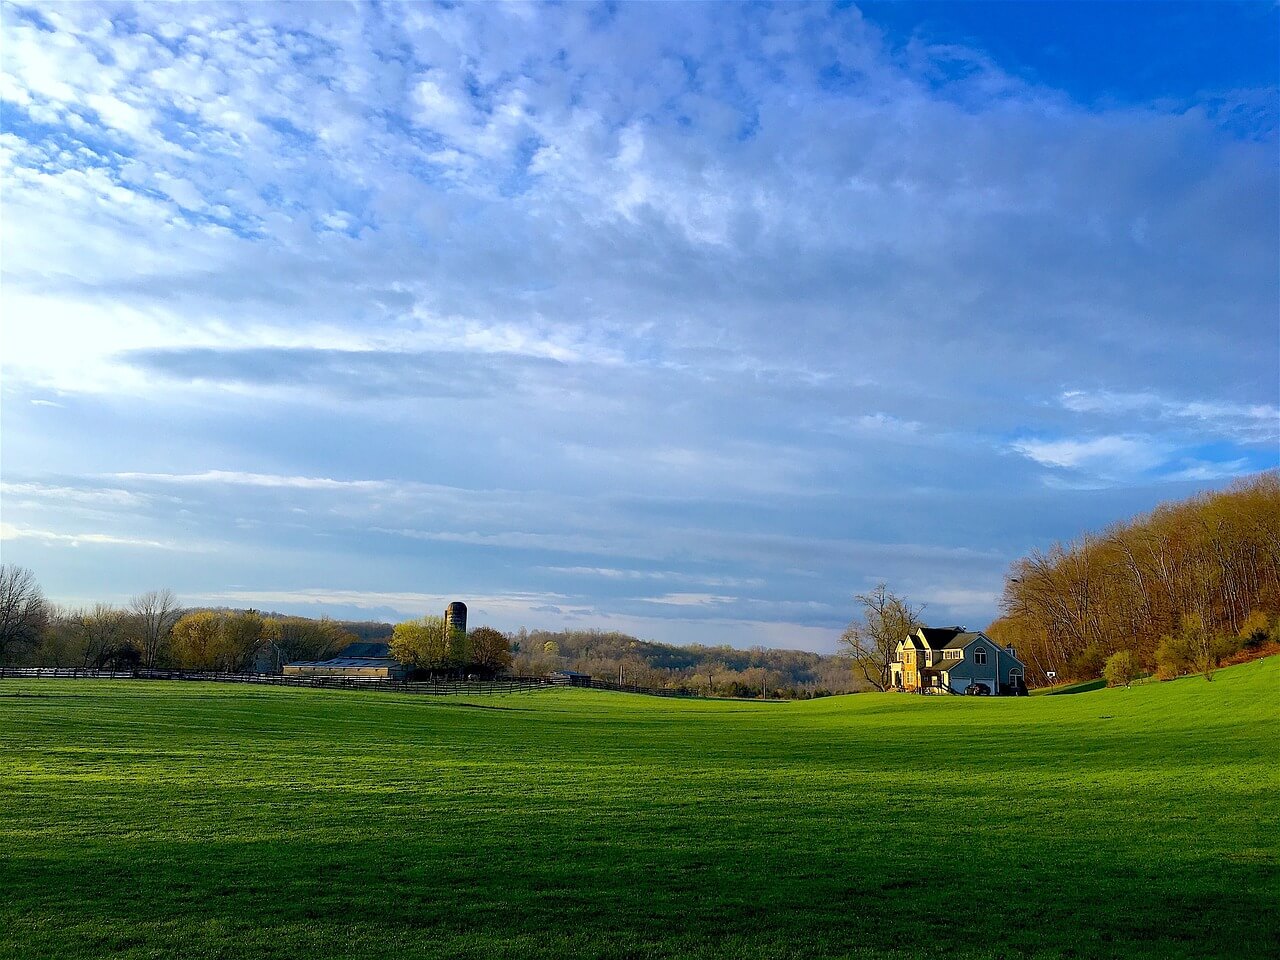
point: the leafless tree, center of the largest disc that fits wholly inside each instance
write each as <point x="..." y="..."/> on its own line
<point x="156" y="611"/>
<point x="23" y="610"/>
<point x="103" y="632"/>
<point x="872" y="638"/>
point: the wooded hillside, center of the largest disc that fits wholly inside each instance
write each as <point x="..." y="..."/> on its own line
<point x="1209" y="565"/>
<point x="724" y="671"/>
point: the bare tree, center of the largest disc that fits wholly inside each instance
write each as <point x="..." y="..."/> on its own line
<point x="156" y="612"/>
<point x="103" y="632"/>
<point x="297" y="638"/>
<point x="23" y="610"/>
<point x="872" y="638"/>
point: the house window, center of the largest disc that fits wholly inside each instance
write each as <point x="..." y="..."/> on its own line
<point x="980" y="655"/>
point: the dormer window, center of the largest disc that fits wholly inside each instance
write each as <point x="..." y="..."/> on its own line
<point x="980" y="655"/>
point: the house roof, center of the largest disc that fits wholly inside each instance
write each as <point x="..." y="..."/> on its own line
<point x="347" y="662"/>
<point x="961" y="640"/>
<point x="938" y="637"/>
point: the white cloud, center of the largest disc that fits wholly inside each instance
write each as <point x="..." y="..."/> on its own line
<point x="62" y="494"/>
<point x="9" y="531"/>
<point x="689" y="600"/>
<point x="238" y="478"/>
<point x="1107" y="456"/>
<point x="1250" y="422"/>
<point x="613" y="573"/>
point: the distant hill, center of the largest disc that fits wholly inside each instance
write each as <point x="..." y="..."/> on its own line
<point x="725" y="671"/>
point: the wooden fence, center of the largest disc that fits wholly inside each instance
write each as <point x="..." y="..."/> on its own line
<point x="430" y="687"/>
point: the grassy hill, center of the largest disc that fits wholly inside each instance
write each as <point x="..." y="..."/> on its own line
<point x="189" y="820"/>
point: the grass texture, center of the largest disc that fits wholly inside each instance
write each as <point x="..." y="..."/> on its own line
<point x="162" y="819"/>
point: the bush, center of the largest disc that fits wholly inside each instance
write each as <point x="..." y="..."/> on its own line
<point x="1173" y="658"/>
<point x="1088" y="663"/>
<point x="1256" y="629"/>
<point x="1120" y="669"/>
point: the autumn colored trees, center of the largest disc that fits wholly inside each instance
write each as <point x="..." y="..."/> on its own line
<point x="1199" y="577"/>
<point x="428" y="644"/>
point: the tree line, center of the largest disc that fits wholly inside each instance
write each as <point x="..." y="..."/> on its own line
<point x="153" y="631"/>
<point x="721" y="671"/>
<point x="1181" y="589"/>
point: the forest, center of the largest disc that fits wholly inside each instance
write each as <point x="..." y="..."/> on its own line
<point x="1192" y="583"/>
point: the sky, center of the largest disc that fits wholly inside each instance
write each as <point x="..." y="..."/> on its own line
<point x="691" y="321"/>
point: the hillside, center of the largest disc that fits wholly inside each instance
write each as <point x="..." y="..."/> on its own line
<point x="1203" y="572"/>
<point x="171" y="820"/>
<point x="711" y="671"/>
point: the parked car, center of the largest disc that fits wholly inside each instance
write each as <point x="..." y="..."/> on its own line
<point x="977" y="690"/>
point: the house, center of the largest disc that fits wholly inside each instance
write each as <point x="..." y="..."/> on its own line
<point x="572" y="677"/>
<point x="951" y="659"/>
<point x="357" y="661"/>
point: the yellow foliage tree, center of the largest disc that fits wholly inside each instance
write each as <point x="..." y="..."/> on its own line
<point x="423" y="643"/>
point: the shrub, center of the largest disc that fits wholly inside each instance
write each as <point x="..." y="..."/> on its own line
<point x="1088" y="663"/>
<point x="1173" y="658"/>
<point x="1120" y="669"/>
<point x="1255" y="629"/>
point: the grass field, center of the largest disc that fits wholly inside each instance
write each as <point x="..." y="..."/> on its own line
<point x="147" y="819"/>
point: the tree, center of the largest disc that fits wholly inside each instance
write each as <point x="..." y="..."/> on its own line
<point x="195" y="640"/>
<point x="490" y="650"/>
<point x="1205" y="648"/>
<point x="23" y="610"/>
<point x="458" y="647"/>
<point x="423" y="643"/>
<point x="297" y="638"/>
<point x="872" y="638"/>
<point x="1120" y="669"/>
<point x="1173" y="658"/>
<point x="551" y="648"/>
<point x="155" y="613"/>
<point x="103" y="632"/>
<point x="241" y="637"/>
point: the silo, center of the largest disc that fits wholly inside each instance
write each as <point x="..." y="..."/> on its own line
<point x="455" y="617"/>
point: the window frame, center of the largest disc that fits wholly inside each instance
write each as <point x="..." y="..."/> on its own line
<point x="980" y="656"/>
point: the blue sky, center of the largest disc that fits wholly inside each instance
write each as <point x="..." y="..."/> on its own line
<point x="689" y="321"/>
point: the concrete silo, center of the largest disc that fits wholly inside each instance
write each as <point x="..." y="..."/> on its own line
<point x="455" y="617"/>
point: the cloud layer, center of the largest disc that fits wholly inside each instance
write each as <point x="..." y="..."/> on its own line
<point x="751" y="306"/>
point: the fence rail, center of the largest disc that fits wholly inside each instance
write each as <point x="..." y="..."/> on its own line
<point x="429" y="687"/>
<point x="433" y="687"/>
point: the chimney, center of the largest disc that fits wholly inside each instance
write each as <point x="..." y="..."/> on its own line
<point x="1010" y="649"/>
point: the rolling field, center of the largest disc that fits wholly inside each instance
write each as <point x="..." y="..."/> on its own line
<point x="148" y="819"/>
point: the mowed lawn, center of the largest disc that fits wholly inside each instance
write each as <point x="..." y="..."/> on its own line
<point x="147" y="819"/>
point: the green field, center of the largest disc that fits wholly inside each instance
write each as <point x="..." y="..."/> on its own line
<point x="147" y="819"/>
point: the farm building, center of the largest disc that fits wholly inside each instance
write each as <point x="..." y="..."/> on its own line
<point x="572" y="677"/>
<point x="955" y="660"/>
<point x="364" y="661"/>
